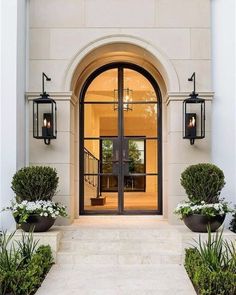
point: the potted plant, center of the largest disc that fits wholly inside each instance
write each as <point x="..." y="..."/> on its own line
<point x="203" y="184"/>
<point x="33" y="208"/>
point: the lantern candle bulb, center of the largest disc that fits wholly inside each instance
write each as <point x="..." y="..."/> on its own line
<point x="46" y="128"/>
<point x="192" y="122"/>
<point x="191" y="125"/>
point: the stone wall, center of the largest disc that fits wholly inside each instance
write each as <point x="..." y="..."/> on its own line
<point x="180" y="30"/>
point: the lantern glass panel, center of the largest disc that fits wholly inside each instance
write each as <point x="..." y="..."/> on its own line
<point x="194" y="119"/>
<point x="44" y="125"/>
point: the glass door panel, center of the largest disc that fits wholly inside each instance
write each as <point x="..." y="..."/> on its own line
<point x="142" y="89"/>
<point x="109" y="165"/>
<point x="120" y="144"/>
<point x="100" y="120"/>
<point x="151" y="156"/>
<point x="102" y="88"/>
<point x="143" y="200"/>
<point x="134" y="164"/>
<point x="94" y="200"/>
<point x="140" y="161"/>
<point x="142" y="120"/>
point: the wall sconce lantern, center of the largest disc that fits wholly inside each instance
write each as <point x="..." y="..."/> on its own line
<point x="127" y="98"/>
<point x="193" y="115"/>
<point x="44" y="116"/>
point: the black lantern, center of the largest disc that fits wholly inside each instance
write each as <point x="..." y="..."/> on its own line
<point x="193" y="115"/>
<point x="44" y="116"/>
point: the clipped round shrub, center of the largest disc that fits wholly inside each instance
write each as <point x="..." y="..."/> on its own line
<point x="203" y="182"/>
<point x="35" y="183"/>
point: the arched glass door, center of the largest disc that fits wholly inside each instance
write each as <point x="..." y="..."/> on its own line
<point x="120" y="142"/>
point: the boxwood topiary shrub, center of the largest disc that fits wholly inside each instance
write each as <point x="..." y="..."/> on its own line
<point x="35" y="183"/>
<point x="203" y="182"/>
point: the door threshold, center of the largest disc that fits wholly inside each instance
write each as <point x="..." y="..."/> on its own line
<point x="159" y="217"/>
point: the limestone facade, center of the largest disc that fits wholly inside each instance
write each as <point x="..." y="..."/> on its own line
<point x="68" y="39"/>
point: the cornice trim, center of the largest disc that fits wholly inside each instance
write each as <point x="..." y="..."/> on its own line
<point x="57" y="96"/>
<point x="180" y="96"/>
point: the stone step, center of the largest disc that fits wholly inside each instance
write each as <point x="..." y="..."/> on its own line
<point x="117" y="279"/>
<point x="120" y="246"/>
<point x="73" y="258"/>
<point x="116" y="234"/>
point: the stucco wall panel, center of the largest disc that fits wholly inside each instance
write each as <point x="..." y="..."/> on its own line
<point x="56" y="13"/>
<point x="120" y="13"/>
<point x="200" y="43"/>
<point x="181" y="152"/>
<point x="202" y="68"/>
<point x="183" y="13"/>
<point x="53" y="68"/>
<point x="57" y="152"/>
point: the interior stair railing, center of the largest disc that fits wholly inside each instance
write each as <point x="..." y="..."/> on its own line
<point x="92" y="170"/>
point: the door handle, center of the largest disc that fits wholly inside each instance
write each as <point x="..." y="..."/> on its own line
<point x="126" y="161"/>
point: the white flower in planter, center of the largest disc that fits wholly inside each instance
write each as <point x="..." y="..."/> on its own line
<point x="24" y="209"/>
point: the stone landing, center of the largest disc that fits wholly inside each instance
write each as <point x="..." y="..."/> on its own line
<point x="118" y="255"/>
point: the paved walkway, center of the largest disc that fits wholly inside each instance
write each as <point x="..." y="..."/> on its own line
<point x="118" y="255"/>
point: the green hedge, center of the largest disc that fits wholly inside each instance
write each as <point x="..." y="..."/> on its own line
<point x="25" y="279"/>
<point x="206" y="281"/>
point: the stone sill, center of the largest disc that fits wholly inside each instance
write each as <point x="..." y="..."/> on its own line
<point x="51" y="238"/>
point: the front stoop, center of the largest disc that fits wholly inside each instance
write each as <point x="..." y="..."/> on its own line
<point x="118" y="255"/>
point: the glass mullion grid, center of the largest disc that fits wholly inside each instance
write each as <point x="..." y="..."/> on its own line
<point x="125" y="137"/>
<point x="111" y="174"/>
<point x="100" y="174"/>
<point x="130" y="102"/>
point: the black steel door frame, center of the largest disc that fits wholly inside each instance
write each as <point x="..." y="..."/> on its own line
<point x="120" y="66"/>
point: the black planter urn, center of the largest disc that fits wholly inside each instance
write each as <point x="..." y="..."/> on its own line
<point x="37" y="223"/>
<point x="201" y="223"/>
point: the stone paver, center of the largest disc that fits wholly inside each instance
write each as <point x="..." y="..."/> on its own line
<point x="119" y="256"/>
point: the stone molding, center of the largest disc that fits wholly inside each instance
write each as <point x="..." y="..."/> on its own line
<point x="164" y="64"/>
<point x="70" y="96"/>
<point x="58" y="96"/>
<point x="180" y="96"/>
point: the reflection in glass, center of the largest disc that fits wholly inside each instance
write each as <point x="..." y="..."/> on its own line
<point x="141" y="87"/>
<point x="107" y="155"/>
<point x="141" y="121"/>
<point x="109" y="183"/>
<point x="136" y="156"/>
<point x="102" y="87"/>
<point x="135" y="164"/>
